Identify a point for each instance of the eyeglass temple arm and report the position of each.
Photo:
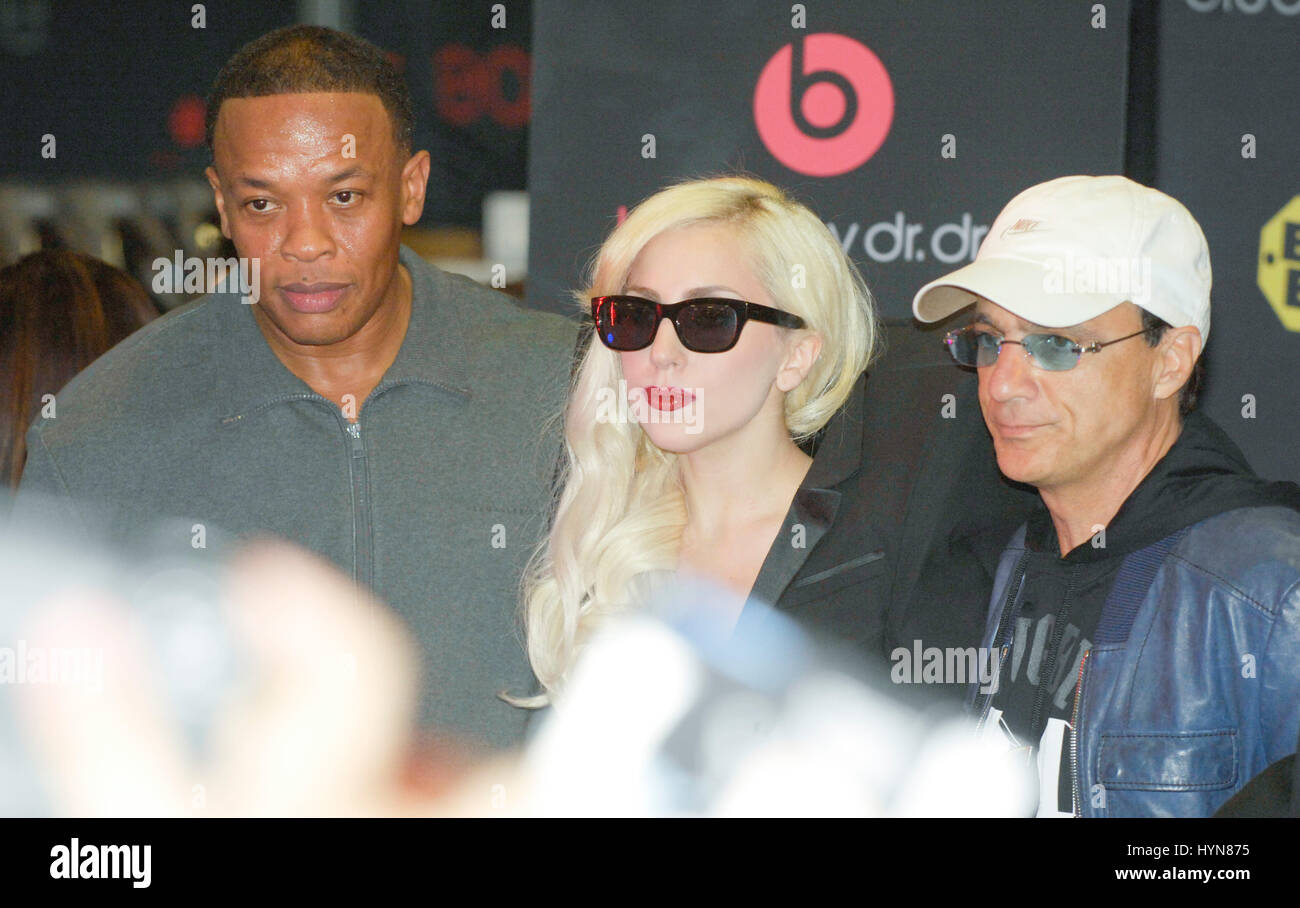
(778, 316)
(1093, 348)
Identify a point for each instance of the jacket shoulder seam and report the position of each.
(1227, 584)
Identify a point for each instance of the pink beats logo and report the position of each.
(823, 105)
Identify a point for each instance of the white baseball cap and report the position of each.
(1067, 250)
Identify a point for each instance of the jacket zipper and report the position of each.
(1004, 620)
(1074, 737)
(362, 535)
(361, 540)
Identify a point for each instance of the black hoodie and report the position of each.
(1203, 474)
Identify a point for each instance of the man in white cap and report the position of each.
(1146, 619)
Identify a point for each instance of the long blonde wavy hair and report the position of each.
(620, 516)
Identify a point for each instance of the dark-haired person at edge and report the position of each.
(59, 311)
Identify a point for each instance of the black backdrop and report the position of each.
(1228, 70)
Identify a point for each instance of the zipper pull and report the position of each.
(354, 432)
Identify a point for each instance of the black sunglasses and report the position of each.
(703, 325)
(973, 346)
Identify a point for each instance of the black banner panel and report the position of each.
(905, 125)
(1228, 147)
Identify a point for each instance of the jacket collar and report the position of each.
(812, 509)
(433, 352)
(817, 500)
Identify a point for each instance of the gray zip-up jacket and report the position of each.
(434, 498)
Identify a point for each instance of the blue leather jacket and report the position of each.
(1193, 687)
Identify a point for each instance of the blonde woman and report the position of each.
(729, 326)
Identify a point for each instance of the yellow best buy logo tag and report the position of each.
(1279, 263)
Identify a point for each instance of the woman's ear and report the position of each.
(801, 354)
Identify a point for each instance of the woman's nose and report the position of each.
(667, 349)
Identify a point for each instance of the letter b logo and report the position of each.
(823, 105)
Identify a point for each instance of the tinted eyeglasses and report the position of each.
(975, 346)
(704, 325)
